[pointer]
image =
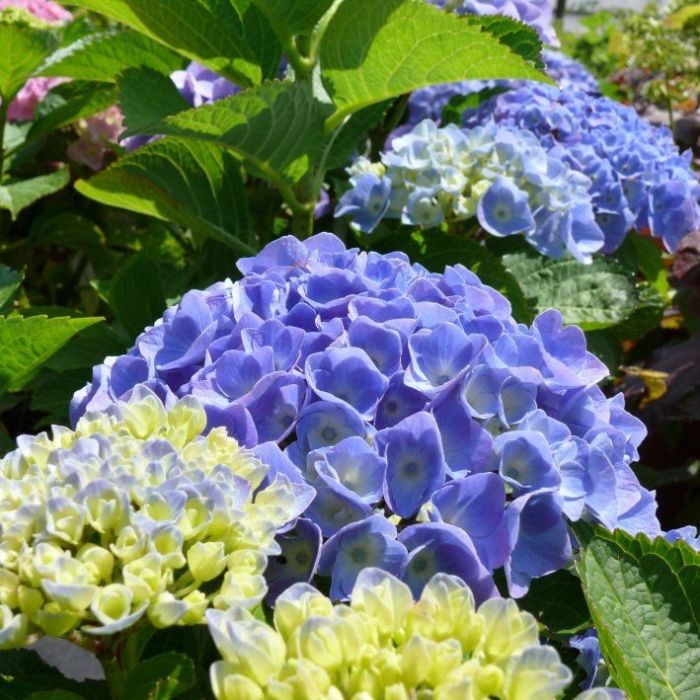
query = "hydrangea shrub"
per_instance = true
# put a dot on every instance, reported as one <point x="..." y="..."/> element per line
<point x="134" y="515"/>
<point x="439" y="434"/>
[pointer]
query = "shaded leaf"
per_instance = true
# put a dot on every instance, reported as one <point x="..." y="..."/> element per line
<point x="193" y="184"/>
<point x="291" y="18"/>
<point x="557" y="601"/>
<point x="136" y="294"/>
<point x="160" y="677"/>
<point x="19" y="195"/>
<point x="147" y="97"/>
<point x="10" y="281"/>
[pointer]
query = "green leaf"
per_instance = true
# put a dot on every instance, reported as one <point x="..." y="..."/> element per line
<point x="277" y="128"/>
<point x="25" y="44"/>
<point x="10" y="281"/>
<point x="19" y="195"/>
<point x="373" y="51"/>
<point x="147" y="97"/>
<point x="136" y="294"/>
<point x="454" y="111"/>
<point x="26" y="343"/>
<point x="435" y="251"/>
<point x="291" y="18"/>
<point x="519" y="37"/>
<point x="101" y="57"/>
<point x="52" y="393"/>
<point x="592" y="296"/>
<point x="74" y="232"/>
<point x="160" y="678"/>
<point x="193" y="184"/>
<point x="68" y="103"/>
<point x="87" y="349"/>
<point x="557" y="601"/>
<point x="644" y="596"/>
<point x="232" y="37"/>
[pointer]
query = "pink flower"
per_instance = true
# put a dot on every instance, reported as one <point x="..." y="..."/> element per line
<point x="90" y="148"/>
<point x="42" y="9"/>
<point x="34" y="91"/>
<point x="24" y="105"/>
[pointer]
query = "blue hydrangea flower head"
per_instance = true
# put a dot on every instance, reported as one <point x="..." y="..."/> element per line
<point x="432" y="432"/>
<point x="502" y="176"/>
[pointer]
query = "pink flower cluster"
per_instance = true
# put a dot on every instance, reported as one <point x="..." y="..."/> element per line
<point x="96" y="133"/>
<point x="24" y="105"/>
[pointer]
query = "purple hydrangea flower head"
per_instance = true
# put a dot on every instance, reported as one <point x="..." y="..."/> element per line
<point x="436" y="432"/>
<point x="201" y="86"/>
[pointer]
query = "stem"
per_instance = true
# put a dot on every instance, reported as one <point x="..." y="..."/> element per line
<point x="116" y="678"/>
<point x="320" y="31"/>
<point x="303" y="222"/>
<point x="303" y="67"/>
<point x="4" y="107"/>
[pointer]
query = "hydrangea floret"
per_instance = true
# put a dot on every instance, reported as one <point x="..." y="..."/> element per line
<point x="639" y="178"/>
<point x="440" y="435"/>
<point x="502" y="176"/>
<point x="385" y="646"/>
<point x="134" y="516"/>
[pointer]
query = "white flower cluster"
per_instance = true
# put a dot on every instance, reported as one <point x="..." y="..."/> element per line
<point x="134" y="515"/>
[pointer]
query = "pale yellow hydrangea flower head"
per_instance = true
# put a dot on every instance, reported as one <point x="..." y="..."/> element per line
<point x="133" y="518"/>
<point x="385" y="646"/>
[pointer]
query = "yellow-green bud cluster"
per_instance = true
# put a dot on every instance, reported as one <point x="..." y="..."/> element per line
<point x="385" y="646"/>
<point x="133" y="516"/>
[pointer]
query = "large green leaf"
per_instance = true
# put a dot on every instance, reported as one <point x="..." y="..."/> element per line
<point x="592" y="296"/>
<point x="373" y="51"/>
<point x="291" y="18"/>
<point x="101" y="57"/>
<point x="18" y="195"/>
<point x="147" y="97"/>
<point x="23" y="47"/>
<point x="136" y="294"/>
<point x="435" y="251"/>
<point x="644" y="597"/>
<point x="26" y="343"/>
<point x="193" y="184"/>
<point x="232" y="37"/>
<point x="276" y="128"/>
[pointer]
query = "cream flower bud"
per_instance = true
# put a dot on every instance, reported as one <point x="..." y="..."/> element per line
<point x="536" y="673"/>
<point x="9" y="583"/>
<point x="100" y="562"/>
<point x="228" y="685"/>
<point x="112" y="606"/>
<point x="206" y="560"/>
<point x="70" y="587"/>
<point x="13" y="629"/>
<point x="507" y="630"/>
<point x="317" y="639"/>
<point x="250" y="647"/>
<point x="298" y="603"/>
<point x="384" y="598"/>
<point x="65" y="519"/>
